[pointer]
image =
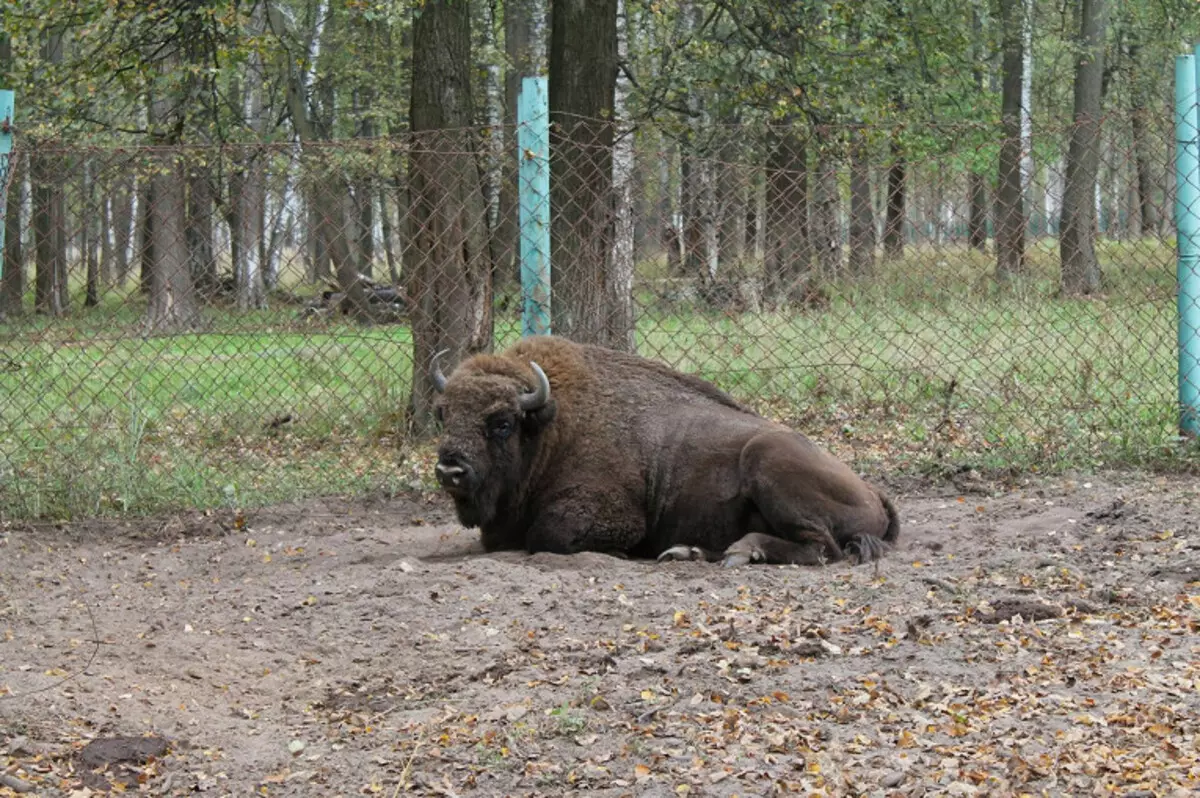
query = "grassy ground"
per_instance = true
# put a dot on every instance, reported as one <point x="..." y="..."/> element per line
<point x="928" y="366"/>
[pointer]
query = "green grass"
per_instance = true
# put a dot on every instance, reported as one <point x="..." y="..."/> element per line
<point x="928" y="366"/>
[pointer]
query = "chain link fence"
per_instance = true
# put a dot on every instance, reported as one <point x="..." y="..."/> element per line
<point x="237" y="325"/>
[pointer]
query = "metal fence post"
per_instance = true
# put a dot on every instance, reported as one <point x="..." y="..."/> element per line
<point x="6" y="144"/>
<point x="1187" y="236"/>
<point x="533" y="198"/>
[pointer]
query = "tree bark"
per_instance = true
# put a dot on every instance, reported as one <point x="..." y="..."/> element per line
<point x="1139" y="114"/>
<point x="88" y="234"/>
<point x="1010" y="203"/>
<point x="47" y="297"/>
<point x="144" y="233"/>
<point x="252" y="200"/>
<point x="788" y="266"/>
<point x="12" y="283"/>
<point x="389" y="245"/>
<point x="449" y="282"/>
<point x="201" y="253"/>
<point x="862" y="210"/>
<point x="49" y="207"/>
<point x="731" y="204"/>
<point x="897" y="189"/>
<point x="122" y="221"/>
<point x="824" y="208"/>
<point x="172" y="306"/>
<point x="977" y="188"/>
<point x="619" y="274"/>
<point x="1080" y="269"/>
<point x="583" y="74"/>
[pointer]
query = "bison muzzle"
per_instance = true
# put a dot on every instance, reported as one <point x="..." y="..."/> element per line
<point x="562" y="447"/>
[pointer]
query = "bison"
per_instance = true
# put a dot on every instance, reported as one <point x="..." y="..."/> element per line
<point x="555" y="446"/>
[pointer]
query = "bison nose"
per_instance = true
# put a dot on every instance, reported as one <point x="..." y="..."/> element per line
<point x="452" y="470"/>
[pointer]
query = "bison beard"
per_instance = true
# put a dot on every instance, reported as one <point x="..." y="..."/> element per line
<point x="562" y="447"/>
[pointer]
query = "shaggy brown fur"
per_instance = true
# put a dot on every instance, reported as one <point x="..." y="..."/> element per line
<point x="629" y="456"/>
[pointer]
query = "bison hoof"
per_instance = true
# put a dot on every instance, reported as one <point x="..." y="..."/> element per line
<point x="681" y="553"/>
<point x="733" y="559"/>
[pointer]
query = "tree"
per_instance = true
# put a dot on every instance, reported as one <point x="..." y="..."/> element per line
<point x="977" y="189"/>
<point x="583" y="77"/>
<point x="897" y="194"/>
<point x="524" y="49"/>
<point x="49" y="211"/>
<point x="620" y="269"/>
<point x="173" y="304"/>
<point x="1010" y="204"/>
<point x="862" y="211"/>
<point x="788" y="264"/>
<point x="12" y="280"/>
<point x="1140" y="112"/>
<point x="252" y="195"/>
<point x="450" y="277"/>
<point x="1080" y="269"/>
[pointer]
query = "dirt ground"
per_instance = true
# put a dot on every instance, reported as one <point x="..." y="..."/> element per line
<point x="1037" y="639"/>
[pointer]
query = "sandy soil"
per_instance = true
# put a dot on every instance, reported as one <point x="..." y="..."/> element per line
<point x="1039" y="639"/>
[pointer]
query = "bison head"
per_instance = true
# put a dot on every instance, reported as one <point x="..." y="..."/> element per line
<point x="491" y="416"/>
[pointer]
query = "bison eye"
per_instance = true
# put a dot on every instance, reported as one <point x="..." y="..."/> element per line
<point x="500" y="429"/>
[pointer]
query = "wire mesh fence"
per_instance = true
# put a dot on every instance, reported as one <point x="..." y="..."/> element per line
<point x="238" y="325"/>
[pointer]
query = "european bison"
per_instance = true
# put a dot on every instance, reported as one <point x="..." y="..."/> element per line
<point x="560" y="447"/>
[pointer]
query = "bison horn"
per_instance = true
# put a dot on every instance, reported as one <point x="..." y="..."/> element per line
<point x="435" y="372"/>
<point x="540" y="395"/>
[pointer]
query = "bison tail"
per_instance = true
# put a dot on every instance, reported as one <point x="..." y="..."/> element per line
<point x="893" y="527"/>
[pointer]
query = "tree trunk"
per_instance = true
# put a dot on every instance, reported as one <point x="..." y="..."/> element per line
<point x="144" y="233"/>
<point x="583" y="74"/>
<point x="524" y="22"/>
<point x="12" y="283"/>
<point x="251" y="203"/>
<point x="862" y="210"/>
<point x="620" y="271"/>
<point x="88" y="235"/>
<point x="172" y="306"/>
<point x="201" y="254"/>
<point x="389" y="245"/>
<point x="1080" y="269"/>
<point x="977" y="188"/>
<point x="106" y="241"/>
<point x="1010" y="204"/>
<point x="449" y="282"/>
<point x="897" y="179"/>
<point x="47" y="298"/>
<point x="826" y="241"/>
<point x="731" y="204"/>
<point x="1139" y="115"/>
<point x="1148" y="208"/>
<point x="492" y="156"/>
<point x="122" y="220"/>
<point x="788" y="266"/>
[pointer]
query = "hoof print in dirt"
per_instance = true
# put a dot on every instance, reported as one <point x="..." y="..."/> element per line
<point x="1007" y="609"/>
<point x="121" y="759"/>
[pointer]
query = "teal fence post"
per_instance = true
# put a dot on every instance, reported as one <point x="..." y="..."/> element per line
<point x="533" y="199"/>
<point x="1187" y="237"/>
<point x="7" y="101"/>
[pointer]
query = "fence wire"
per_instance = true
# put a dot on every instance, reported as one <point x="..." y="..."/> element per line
<point x="237" y="325"/>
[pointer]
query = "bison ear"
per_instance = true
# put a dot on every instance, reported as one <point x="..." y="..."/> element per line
<point x="535" y="421"/>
